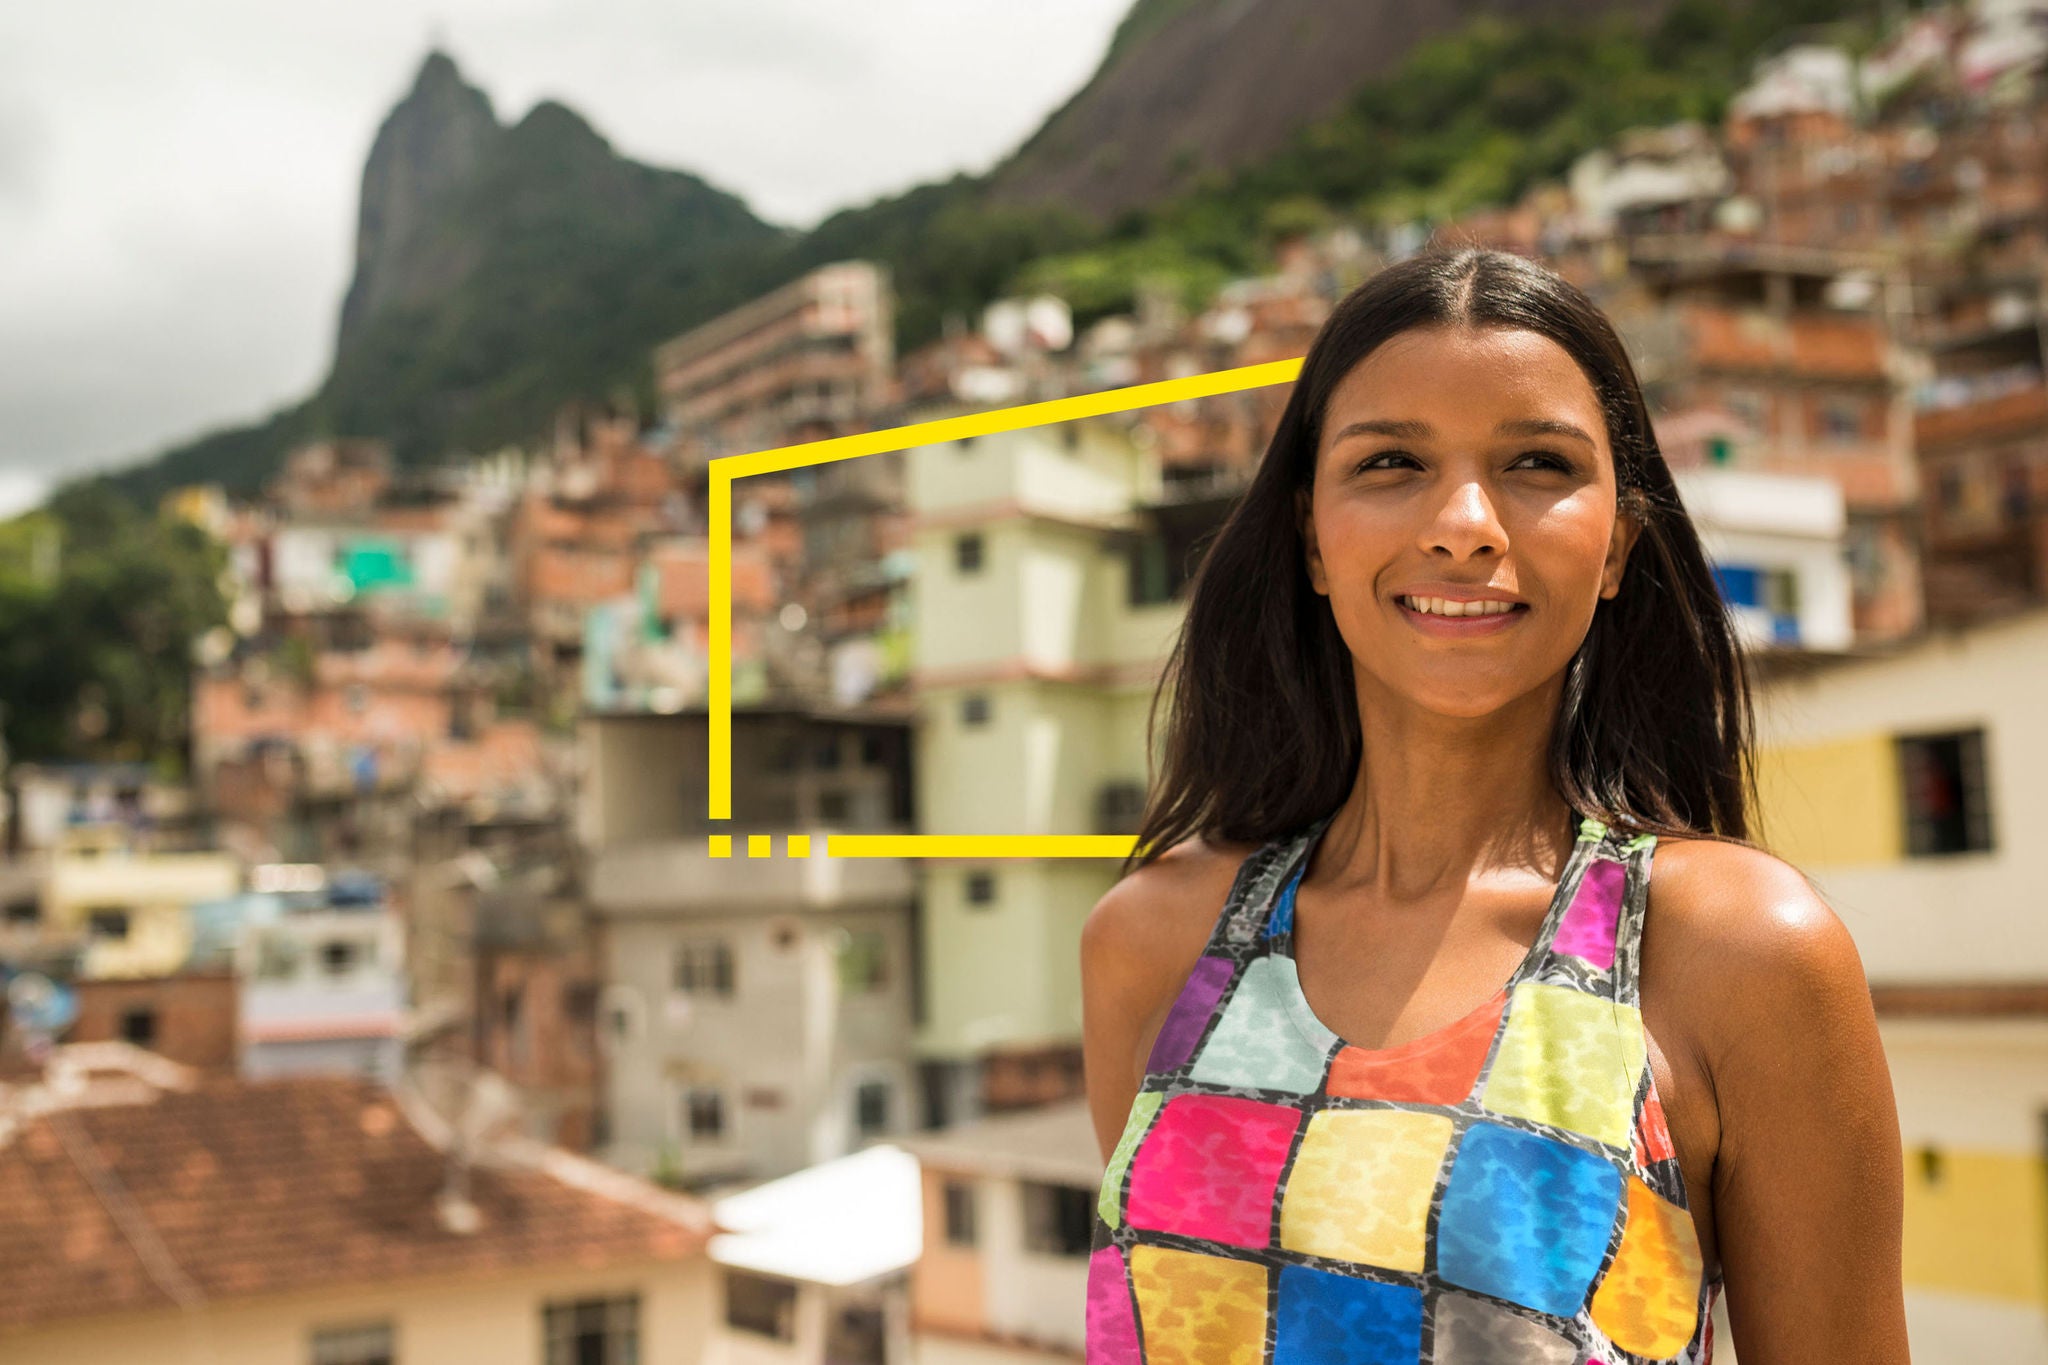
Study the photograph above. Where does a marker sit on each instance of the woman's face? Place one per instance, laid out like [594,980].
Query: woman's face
[1465,465]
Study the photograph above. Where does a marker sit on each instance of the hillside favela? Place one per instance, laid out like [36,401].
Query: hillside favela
[374,991]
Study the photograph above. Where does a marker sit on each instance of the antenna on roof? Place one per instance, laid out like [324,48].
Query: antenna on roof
[488,1104]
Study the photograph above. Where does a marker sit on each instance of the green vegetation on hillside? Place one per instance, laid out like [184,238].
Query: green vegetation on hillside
[99,606]
[1472,118]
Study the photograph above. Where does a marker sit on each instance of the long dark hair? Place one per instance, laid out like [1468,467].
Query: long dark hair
[1655,728]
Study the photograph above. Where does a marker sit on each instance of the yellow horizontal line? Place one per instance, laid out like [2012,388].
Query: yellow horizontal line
[937,845]
[979,845]
[1006,419]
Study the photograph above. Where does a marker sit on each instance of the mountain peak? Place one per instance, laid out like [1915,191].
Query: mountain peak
[428,148]
[554,121]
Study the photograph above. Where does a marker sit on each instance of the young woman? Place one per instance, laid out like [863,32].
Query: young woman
[1395,1050]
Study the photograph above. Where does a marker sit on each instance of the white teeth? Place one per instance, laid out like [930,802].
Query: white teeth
[1440,606]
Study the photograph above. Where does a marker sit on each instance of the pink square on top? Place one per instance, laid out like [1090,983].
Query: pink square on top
[1209,1168]
[1589,925]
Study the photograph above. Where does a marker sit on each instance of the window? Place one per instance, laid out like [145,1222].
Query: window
[368,1344]
[967,552]
[22,912]
[518,1051]
[593,1331]
[981,888]
[338,956]
[138,1026]
[277,958]
[1841,420]
[107,923]
[974,709]
[858,1336]
[704,1113]
[1948,808]
[1748,404]
[704,967]
[1767,589]
[787,755]
[761,1305]
[863,962]
[871,1108]
[1056,1219]
[959,1213]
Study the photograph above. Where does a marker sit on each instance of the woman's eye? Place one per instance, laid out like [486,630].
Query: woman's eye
[1556,462]
[1375,461]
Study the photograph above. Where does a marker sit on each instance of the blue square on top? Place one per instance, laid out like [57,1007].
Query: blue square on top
[1323,1317]
[1281,920]
[1527,1218]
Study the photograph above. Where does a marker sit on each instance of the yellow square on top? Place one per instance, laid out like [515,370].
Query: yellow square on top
[1361,1185]
[1570,1059]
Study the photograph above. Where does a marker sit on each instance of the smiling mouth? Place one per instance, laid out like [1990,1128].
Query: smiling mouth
[1446,609]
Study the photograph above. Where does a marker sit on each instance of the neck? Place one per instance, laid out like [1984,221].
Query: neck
[1439,799]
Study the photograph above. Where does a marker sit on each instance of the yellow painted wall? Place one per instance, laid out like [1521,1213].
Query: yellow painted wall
[1981,1228]
[1834,803]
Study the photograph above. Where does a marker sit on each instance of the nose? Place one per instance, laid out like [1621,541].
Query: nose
[1466,524]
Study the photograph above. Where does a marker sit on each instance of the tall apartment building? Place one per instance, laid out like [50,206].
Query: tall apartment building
[1039,641]
[813,358]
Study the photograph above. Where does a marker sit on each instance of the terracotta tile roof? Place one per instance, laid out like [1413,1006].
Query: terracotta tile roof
[227,1188]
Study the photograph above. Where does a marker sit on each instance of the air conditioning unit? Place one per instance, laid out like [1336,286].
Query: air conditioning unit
[1118,807]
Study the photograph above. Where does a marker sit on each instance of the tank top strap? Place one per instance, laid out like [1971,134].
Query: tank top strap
[1587,940]
[1261,877]
[1628,938]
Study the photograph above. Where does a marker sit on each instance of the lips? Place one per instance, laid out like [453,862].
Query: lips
[1462,627]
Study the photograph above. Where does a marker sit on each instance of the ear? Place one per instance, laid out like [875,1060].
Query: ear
[1304,510]
[1626,529]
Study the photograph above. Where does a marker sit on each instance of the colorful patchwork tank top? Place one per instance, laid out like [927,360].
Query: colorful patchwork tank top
[1500,1192]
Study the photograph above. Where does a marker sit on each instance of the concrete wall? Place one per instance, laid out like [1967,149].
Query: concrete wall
[788,1049]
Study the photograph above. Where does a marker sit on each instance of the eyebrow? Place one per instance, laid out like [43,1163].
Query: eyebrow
[1417,431]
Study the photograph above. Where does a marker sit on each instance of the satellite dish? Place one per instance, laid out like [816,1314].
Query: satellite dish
[40,1004]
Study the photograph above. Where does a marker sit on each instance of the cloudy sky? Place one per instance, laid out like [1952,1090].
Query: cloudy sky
[178,178]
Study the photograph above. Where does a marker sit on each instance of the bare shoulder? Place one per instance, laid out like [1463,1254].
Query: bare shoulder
[1154,922]
[1740,901]
[1747,937]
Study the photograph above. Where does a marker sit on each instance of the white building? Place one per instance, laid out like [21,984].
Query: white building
[815,1268]
[758,1009]
[1775,541]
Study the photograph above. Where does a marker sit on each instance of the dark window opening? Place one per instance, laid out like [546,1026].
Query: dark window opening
[871,1108]
[761,1305]
[959,1213]
[967,552]
[593,1331]
[138,1026]
[1947,801]
[1057,1219]
[704,1114]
